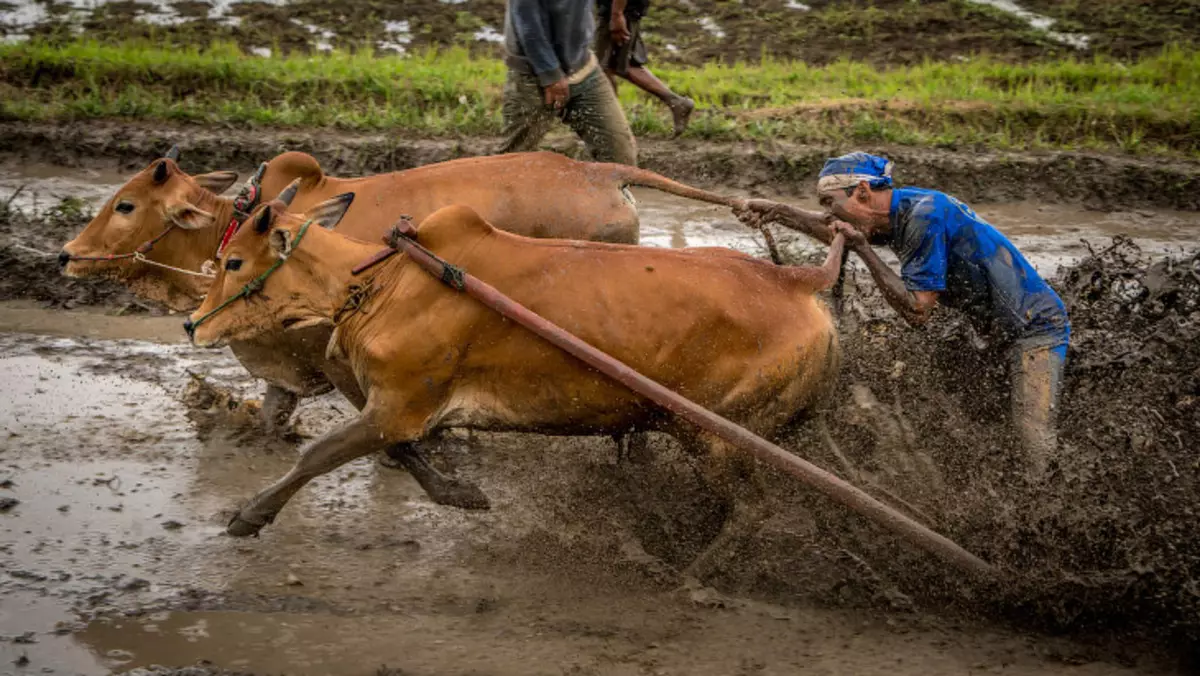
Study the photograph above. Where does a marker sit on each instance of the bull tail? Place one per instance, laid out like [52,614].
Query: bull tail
[626,176]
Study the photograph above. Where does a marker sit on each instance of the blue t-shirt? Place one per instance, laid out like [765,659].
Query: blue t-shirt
[944,246]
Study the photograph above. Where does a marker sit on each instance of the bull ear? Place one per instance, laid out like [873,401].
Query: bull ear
[281,242]
[162,172]
[217,181]
[263,220]
[173,154]
[190,217]
[329,213]
[289,193]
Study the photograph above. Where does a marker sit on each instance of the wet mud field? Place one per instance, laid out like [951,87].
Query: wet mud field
[123,452]
[694,32]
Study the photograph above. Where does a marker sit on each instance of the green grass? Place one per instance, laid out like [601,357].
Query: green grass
[1150,106]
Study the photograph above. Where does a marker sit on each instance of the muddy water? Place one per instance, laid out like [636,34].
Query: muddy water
[114,556]
[38,186]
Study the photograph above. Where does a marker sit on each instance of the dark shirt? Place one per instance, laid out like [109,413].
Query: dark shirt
[944,246]
[549,38]
[634,9]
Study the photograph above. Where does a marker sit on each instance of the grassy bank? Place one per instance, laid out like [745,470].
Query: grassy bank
[1151,106]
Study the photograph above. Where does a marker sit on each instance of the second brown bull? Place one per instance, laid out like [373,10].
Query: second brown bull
[742,337]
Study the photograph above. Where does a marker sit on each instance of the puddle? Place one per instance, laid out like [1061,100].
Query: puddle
[1038,22]
[42,186]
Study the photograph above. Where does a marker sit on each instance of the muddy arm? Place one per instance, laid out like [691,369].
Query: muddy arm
[812,223]
[756,213]
[914,306]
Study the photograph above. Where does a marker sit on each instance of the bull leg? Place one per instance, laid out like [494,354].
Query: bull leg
[443,490]
[632,447]
[331,451]
[739,481]
[278,406]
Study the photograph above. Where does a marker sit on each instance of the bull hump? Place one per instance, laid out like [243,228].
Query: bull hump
[452,225]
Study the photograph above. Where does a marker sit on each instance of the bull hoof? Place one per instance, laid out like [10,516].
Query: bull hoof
[388,461]
[240,528]
[463,496]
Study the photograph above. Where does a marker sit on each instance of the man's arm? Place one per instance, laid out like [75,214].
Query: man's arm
[529,21]
[617,25]
[812,223]
[914,306]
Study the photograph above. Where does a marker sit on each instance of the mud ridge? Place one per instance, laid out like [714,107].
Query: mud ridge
[1099,181]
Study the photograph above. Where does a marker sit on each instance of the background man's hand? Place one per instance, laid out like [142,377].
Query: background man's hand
[557,94]
[754,213]
[619,29]
[854,237]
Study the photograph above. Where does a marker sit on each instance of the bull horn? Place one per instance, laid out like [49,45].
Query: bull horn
[173,154]
[258,173]
[289,193]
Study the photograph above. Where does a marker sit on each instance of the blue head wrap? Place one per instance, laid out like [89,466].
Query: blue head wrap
[848,170]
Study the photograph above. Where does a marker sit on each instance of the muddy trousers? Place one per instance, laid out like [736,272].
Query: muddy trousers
[1037,373]
[592,111]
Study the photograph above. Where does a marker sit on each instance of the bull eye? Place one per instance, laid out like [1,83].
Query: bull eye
[124,207]
[233,264]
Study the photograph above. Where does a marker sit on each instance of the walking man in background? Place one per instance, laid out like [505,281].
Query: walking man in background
[622,53]
[553,74]
[948,256]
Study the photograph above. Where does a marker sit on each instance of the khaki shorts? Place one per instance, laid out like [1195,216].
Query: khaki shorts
[620,58]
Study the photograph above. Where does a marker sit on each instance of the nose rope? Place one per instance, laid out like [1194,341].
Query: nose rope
[253,286]
[33,250]
[139,255]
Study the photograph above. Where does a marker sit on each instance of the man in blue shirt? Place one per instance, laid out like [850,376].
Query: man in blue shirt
[949,256]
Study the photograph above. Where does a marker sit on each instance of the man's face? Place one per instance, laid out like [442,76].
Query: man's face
[849,204]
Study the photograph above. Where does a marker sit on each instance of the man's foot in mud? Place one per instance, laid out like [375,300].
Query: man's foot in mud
[681,112]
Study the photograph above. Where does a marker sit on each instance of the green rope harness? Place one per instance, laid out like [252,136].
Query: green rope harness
[253,286]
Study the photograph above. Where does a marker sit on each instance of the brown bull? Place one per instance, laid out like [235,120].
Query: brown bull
[184,218]
[745,338]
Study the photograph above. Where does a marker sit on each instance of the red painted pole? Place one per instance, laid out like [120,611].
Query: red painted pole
[814,476]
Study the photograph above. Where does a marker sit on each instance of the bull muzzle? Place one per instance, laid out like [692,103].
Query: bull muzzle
[63,258]
[190,329]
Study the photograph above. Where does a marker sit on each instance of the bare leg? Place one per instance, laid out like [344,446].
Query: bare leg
[440,488]
[1035,381]
[331,451]
[681,106]
[278,406]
